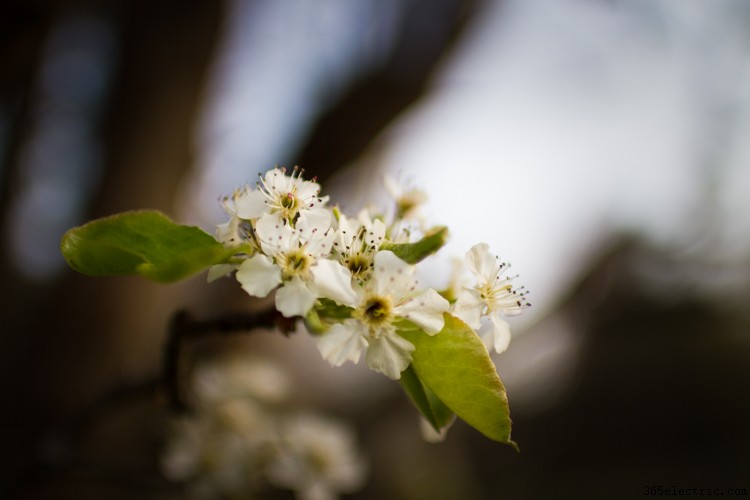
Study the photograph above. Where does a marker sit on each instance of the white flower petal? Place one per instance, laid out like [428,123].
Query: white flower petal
[374,234]
[320,246]
[275,179]
[389,354]
[347,230]
[334,281]
[258,275]
[482,263]
[294,298]
[342,342]
[251,204]
[426,310]
[377,230]
[364,217]
[275,235]
[496,335]
[392,275]
[469,307]
[307,190]
[391,186]
[229,232]
[313,222]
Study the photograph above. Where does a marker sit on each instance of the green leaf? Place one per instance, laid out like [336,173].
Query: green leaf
[142,242]
[425,400]
[415,252]
[319,318]
[313,323]
[455,365]
[329,309]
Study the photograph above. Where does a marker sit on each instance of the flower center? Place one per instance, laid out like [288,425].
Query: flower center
[294,263]
[376,313]
[288,205]
[359,264]
[408,201]
[496,297]
[288,202]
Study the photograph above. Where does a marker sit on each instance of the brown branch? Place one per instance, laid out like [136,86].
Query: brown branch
[56,447]
[184,327]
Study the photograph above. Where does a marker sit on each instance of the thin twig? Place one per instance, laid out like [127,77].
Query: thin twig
[184,327]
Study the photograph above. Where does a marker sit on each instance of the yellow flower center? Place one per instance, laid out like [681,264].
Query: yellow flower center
[491,295]
[294,263]
[359,264]
[288,205]
[376,313]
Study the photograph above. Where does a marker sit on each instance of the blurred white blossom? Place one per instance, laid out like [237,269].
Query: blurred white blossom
[220,450]
[240,376]
[317,458]
[408,198]
[236,440]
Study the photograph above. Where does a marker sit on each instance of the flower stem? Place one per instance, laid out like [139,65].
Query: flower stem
[183,327]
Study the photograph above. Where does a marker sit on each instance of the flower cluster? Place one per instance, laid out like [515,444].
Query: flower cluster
[355,277]
[236,442]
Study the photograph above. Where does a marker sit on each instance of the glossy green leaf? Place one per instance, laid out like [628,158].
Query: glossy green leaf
[455,365]
[145,243]
[425,400]
[319,318]
[415,252]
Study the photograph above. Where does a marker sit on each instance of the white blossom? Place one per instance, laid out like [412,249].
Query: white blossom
[238,375]
[287,196]
[288,257]
[491,296]
[285,199]
[235,441]
[234,231]
[408,199]
[390,294]
[317,458]
[357,241]
[217,449]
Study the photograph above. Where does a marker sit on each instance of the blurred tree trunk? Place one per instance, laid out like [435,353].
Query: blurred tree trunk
[429,31]
[79,338]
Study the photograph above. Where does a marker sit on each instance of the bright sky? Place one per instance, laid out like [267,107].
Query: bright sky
[554,125]
[558,123]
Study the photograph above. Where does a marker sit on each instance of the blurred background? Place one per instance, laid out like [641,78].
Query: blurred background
[600,146]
